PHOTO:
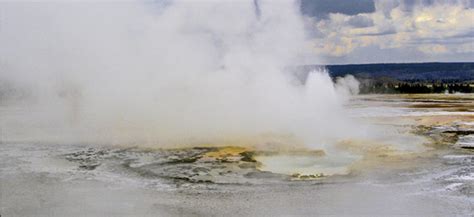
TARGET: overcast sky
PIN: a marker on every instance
(361, 31)
(381, 31)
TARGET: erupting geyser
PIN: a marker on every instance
(165, 73)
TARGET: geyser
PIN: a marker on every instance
(164, 73)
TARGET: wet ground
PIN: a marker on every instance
(425, 169)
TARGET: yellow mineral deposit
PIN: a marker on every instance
(230, 154)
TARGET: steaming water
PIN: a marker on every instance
(87, 86)
(75, 180)
(307, 165)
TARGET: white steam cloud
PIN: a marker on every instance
(166, 72)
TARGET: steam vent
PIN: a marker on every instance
(237, 108)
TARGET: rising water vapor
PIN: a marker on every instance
(165, 73)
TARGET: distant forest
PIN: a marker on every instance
(381, 87)
(407, 77)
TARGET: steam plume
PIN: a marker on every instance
(166, 72)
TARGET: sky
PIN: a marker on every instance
(381, 31)
(384, 31)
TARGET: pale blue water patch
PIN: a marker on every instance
(332, 163)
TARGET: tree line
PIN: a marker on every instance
(381, 87)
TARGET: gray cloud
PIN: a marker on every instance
(321, 8)
(380, 33)
(360, 21)
(397, 31)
